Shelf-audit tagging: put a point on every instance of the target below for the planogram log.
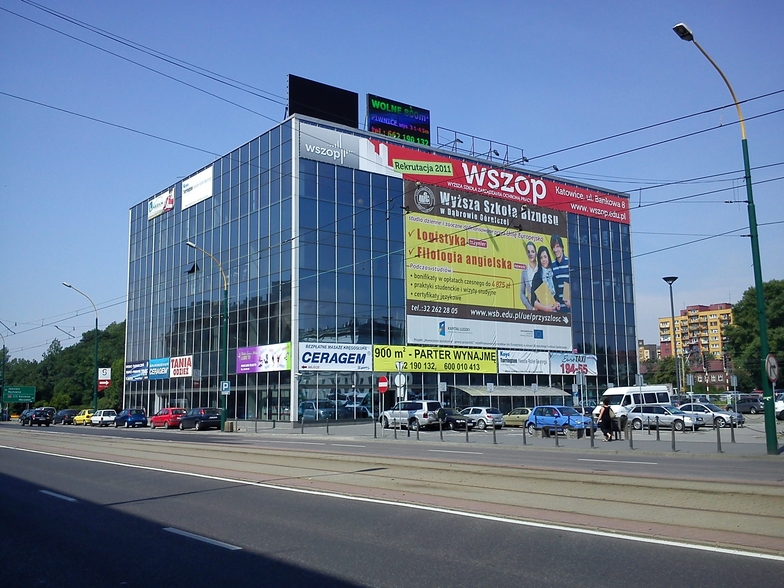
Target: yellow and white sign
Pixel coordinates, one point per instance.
(435, 359)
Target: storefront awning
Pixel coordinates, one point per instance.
(525, 391)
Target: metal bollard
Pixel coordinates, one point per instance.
(273, 423)
(732, 430)
(525, 426)
(649, 425)
(441, 430)
(395, 428)
(718, 440)
(327, 425)
(466, 430)
(375, 433)
(417, 430)
(408, 431)
(672, 427)
(494, 440)
(658, 437)
(593, 432)
(556, 434)
(631, 430)
(302, 426)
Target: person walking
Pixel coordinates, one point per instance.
(605, 420)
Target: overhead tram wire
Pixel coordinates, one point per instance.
(148, 68)
(654, 125)
(125, 42)
(193, 68)
(216, 77)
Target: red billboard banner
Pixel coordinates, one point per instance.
(104, 384)
(503, 183)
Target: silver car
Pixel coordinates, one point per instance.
(713, 415)
(484, 417)
(668, 416)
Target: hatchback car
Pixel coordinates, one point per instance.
(103, 418)
(24, 417)
(167, 418)
(484, 416)
(517, 417)
(454, 420)
(36, 416)
(201, 418)
(83, 417)
(563, 418)
(712, 414)
(131, 417)
(65, 417)
(668, 416)
(747, 404)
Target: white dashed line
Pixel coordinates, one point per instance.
(204, 539)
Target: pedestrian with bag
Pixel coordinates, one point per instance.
(605, 419)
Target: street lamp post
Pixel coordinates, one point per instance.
(95, 353)
(224, 353)
(767, 394)
(3, 376)
(670, 280)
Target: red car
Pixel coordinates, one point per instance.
(167, 418)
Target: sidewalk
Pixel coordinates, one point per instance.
(749, 439)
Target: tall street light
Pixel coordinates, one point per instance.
(223, 360)
(95, 354)
(670, 280)
(767, 394)
(3, 376)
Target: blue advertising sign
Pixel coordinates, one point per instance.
(136, 371)
(159, 368)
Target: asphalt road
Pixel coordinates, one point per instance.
(83, 522)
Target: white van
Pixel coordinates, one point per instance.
(624, 398)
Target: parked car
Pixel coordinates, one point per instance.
(65, 417)
(83, 417)
(412, 414)
(669, 416)
(167, 418)
(778, 401)
(50, 410)
(453, 420)
(201, 418)
(550, 416)
(712, 414)
(517, 417)
(131, 417)
(747, 404)
(312, 410)
(103, 418)
(35, 416)
(484, 416)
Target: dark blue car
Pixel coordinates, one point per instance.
(566, 418)
(131, 417)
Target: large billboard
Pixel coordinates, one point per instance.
(265, 358)
(197, 188)
(481, 271)
(335, 357)
(323, 101)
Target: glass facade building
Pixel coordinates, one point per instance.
(313, 226)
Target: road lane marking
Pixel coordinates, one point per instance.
(342, 445)
(202, 538)
(620, 461)
(60, 496)
(471, 515)
(449, 451)
(295, 442)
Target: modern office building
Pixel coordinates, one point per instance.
(350, 257)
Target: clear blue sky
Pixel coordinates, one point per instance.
(541, 76)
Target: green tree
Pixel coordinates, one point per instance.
(664, 372)
(743, 334)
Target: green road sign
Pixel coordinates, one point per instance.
(18, 393)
